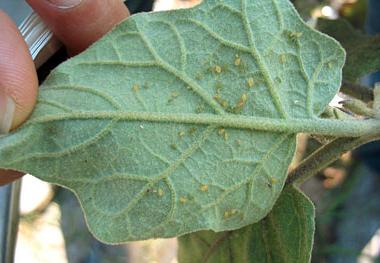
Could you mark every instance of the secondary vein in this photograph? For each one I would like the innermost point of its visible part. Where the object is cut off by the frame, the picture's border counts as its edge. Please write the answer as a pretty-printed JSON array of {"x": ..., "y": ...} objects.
[{"x": 261, "y": 63}]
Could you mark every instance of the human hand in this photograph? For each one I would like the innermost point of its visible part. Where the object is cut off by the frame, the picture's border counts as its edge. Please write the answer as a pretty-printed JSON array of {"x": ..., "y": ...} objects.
[{"x": 77, "y": 23}]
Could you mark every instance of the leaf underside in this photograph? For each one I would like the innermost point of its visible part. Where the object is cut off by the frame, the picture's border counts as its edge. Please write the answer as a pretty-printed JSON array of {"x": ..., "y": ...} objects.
[
  {"x": 284, "y": 235},
  {"x": 106, "y": 123}
]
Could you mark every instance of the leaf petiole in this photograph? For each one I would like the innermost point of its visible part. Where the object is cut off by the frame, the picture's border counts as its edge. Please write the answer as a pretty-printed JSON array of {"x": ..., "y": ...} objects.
[{"x": 324, "y": 156}]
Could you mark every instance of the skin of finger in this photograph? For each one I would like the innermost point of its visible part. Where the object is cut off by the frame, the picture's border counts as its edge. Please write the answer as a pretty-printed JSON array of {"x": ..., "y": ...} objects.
[
  {"x": 8, "y": 176},
  {"x": 80, "y": 26},
  {"x": 18, "y": 77}
]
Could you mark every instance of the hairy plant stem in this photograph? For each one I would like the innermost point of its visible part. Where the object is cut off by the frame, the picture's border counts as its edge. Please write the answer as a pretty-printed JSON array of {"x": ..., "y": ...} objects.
[
  {"x": 358, "y": 107},
  {"x": 357, "y": 91},
  {"x": 324, "y": 156}
]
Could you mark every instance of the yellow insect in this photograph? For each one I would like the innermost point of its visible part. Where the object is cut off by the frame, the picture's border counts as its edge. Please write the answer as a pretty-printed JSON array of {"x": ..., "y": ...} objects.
[
  {"x": 136, "y": 88},
  {"x": 237, "y": 61},
  {"x": 218, "y": 69},
  {"x": 250, "y": 82},
  {"x": 204, "y": 187}
]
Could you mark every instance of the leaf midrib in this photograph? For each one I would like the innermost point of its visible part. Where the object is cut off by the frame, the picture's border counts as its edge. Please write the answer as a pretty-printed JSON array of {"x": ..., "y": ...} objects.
[{"x": 343, "y": 128}]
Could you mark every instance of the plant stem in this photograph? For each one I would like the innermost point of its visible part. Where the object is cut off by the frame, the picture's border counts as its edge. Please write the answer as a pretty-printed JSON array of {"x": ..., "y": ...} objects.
[
  {"x": 324, "y": 156},
  {"x": 358, "y": 107},
  {"x": 376, "y": 99},
  {"x": 214, "y": 246},
  {"x": 357, "y": 91}
]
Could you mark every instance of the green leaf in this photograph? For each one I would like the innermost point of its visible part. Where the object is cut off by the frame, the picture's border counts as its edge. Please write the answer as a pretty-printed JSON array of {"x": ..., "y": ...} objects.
[
  {"x": 285, "y": 235},
  {"x": 148, "y": 126},
  {"x": 363, "y": 51}
]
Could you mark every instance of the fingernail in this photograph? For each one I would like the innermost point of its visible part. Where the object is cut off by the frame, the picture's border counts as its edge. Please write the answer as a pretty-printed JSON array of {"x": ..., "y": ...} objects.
[
  {"x": 65, "y": 4},
  {"x": 7, "y": 110}
]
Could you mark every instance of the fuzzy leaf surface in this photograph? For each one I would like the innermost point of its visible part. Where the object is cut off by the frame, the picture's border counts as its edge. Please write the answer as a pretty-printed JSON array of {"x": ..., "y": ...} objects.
[
  {"x": 125, "y": 125},
  {"x": 284, "y": 235}
]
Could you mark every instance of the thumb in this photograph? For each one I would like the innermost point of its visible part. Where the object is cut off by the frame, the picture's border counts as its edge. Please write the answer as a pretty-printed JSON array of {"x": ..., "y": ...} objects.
[
  {"x": 18, "y": 83},
  {"x": 18, "y": 79}
]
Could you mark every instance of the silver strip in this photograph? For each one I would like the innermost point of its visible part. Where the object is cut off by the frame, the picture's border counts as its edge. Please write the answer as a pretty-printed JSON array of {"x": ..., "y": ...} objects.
[
  {"x": 40, "y": 40},
  {"x": 9, "y": 216}
]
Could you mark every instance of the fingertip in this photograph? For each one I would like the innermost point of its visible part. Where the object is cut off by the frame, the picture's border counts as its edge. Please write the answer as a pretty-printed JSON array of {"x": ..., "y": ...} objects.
[
  {"x": 8, "y": 176},
  {"x": 18, "y": 78},
  {"x": 78, "y": 25}
]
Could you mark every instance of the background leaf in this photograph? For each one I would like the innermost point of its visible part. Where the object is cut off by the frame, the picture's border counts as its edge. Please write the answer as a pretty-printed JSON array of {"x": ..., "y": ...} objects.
[
  {"x": 123, "y": 124},
  {"x": 363, "y": 51},
  {"x": 284, "y": 235}
]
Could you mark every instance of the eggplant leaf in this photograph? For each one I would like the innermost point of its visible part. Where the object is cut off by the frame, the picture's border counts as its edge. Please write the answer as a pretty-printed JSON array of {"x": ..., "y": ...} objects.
[
  {"x": 148, "y": 126},
  {"x": 285, "y": 235}
]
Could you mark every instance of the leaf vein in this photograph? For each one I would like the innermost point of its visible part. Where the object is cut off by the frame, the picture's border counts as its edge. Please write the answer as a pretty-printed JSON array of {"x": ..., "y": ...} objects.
[
  {"x": 261, "y": 64},
  {"x": 193, "y": 85}
]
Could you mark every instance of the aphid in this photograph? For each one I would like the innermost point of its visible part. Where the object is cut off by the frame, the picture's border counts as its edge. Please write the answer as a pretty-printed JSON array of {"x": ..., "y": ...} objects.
[
  {"x": 173, "y": 146},
  {"x": 282, "y": 58},
  {"x": 250, "y": 82},
  {"x": 243, "y": 99},
  {"x": 330, "y": 64},
  {"x": 136, "y": 88},
  {"x": 294, "y": 35},
  {"x": 200, "y": 108},
  {"x": 222, "y": 102},
  {"x": 181, "y": 134},
  {"x": 204, "y": 187},
  {"x": 227, "y": 214},
  {"x": 273, "y": 180},
  {"x": 230, "y": 213},
  {"x": 160, "y": 192},
  {"x": 241, "y": 103},
  {"x": 192, "y": 130},
  {"x": 183, "y": 200},
  {"x": 237, "y": 60},
  {"x": 218, "y": 69},
  {"x": 173, "y": 96},
  {"x": 217, "y": 97},
  {"x": 218, "y": 86},
  {"x": 238, "y": 142},
  {"x": 222, "y": 132}
]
